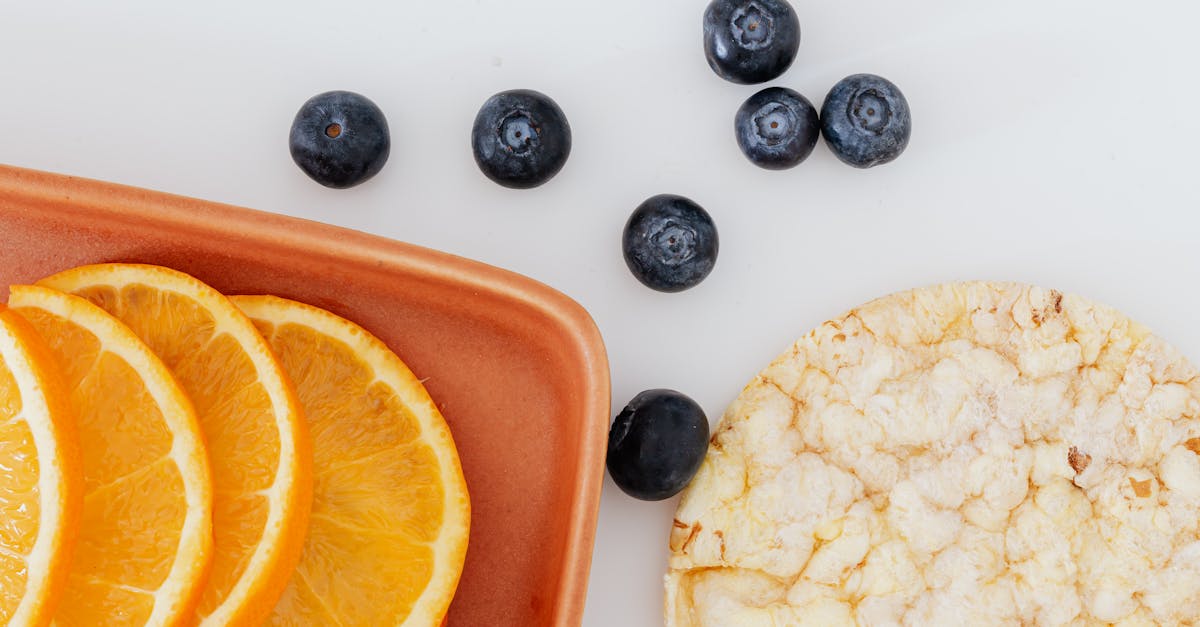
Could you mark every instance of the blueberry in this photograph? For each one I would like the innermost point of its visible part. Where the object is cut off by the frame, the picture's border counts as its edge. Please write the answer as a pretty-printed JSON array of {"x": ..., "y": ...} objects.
[
  {"x": 750, "y": 41},
  {"x": 865, "y": 120},
  {"x": 777, "y": 128},
  {"x": 340, "y": 139},
  {"x": 670, "y": 243},
  {"x": 521, "y": 138},
  {"x": 656, "y": 444}
]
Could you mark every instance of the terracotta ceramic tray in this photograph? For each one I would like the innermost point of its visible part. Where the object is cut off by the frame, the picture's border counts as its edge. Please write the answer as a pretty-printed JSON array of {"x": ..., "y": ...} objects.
[{"x": 518, "y": 369}]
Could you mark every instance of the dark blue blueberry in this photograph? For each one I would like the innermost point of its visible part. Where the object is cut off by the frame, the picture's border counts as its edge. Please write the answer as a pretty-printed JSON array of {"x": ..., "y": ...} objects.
[
  {"x": 750, "y": 41},
  {"x": 656, "y": 444},
  {"x": 777, "y": 128},
  {"x": 521, "y": 138},
  {"x": 670, "y": 243},
  {"x": 340, "y": 139},
  {"x": 865, "y": 120}
]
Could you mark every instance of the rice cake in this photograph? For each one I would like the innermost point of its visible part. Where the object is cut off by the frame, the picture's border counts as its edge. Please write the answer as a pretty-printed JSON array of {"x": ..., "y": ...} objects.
[{"x": 966, "y": 454}]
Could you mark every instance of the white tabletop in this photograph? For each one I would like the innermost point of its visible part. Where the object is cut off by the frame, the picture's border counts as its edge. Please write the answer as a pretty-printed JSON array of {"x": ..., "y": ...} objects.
[{"x": 1054, "y": 142}]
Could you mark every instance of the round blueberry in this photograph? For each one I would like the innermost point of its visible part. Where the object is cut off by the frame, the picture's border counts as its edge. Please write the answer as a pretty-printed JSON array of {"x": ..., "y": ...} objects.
[
  {"x": 340, "y": 139},
  {"x": 750, "y": 41},
  {"x": 521, "y": 138},
  {"x": 670, "y": 243},
  {"x": 865, "y": 120},
  {"x": 656, "y": 444},
  {"x": 777, "y": 128}
]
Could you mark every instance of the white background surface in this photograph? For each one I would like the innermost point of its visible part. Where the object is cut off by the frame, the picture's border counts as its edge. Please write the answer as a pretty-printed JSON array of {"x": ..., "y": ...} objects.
[{"x": 1054, "y": 142}]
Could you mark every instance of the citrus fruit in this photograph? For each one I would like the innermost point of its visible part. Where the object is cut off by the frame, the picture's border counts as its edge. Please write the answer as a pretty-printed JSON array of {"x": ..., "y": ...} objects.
[
  {"x": 145, "y": 544},
  {"x": 390, "y": 518},
  {"x": 258, "y": 444},
  {"x": 41, "y": 479}
]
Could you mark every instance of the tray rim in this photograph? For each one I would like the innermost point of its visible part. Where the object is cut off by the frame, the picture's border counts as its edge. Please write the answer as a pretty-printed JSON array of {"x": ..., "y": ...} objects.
[{"x": 121, "y": 203}]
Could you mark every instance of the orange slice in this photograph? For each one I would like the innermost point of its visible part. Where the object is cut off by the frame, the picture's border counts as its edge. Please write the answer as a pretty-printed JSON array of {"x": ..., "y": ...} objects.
[
  {"x": 146, "y": 541},
  {"x": 390, "y": 517},
  {"x": 41, "y": 480},
  {"x": 258, "y": 444}
]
